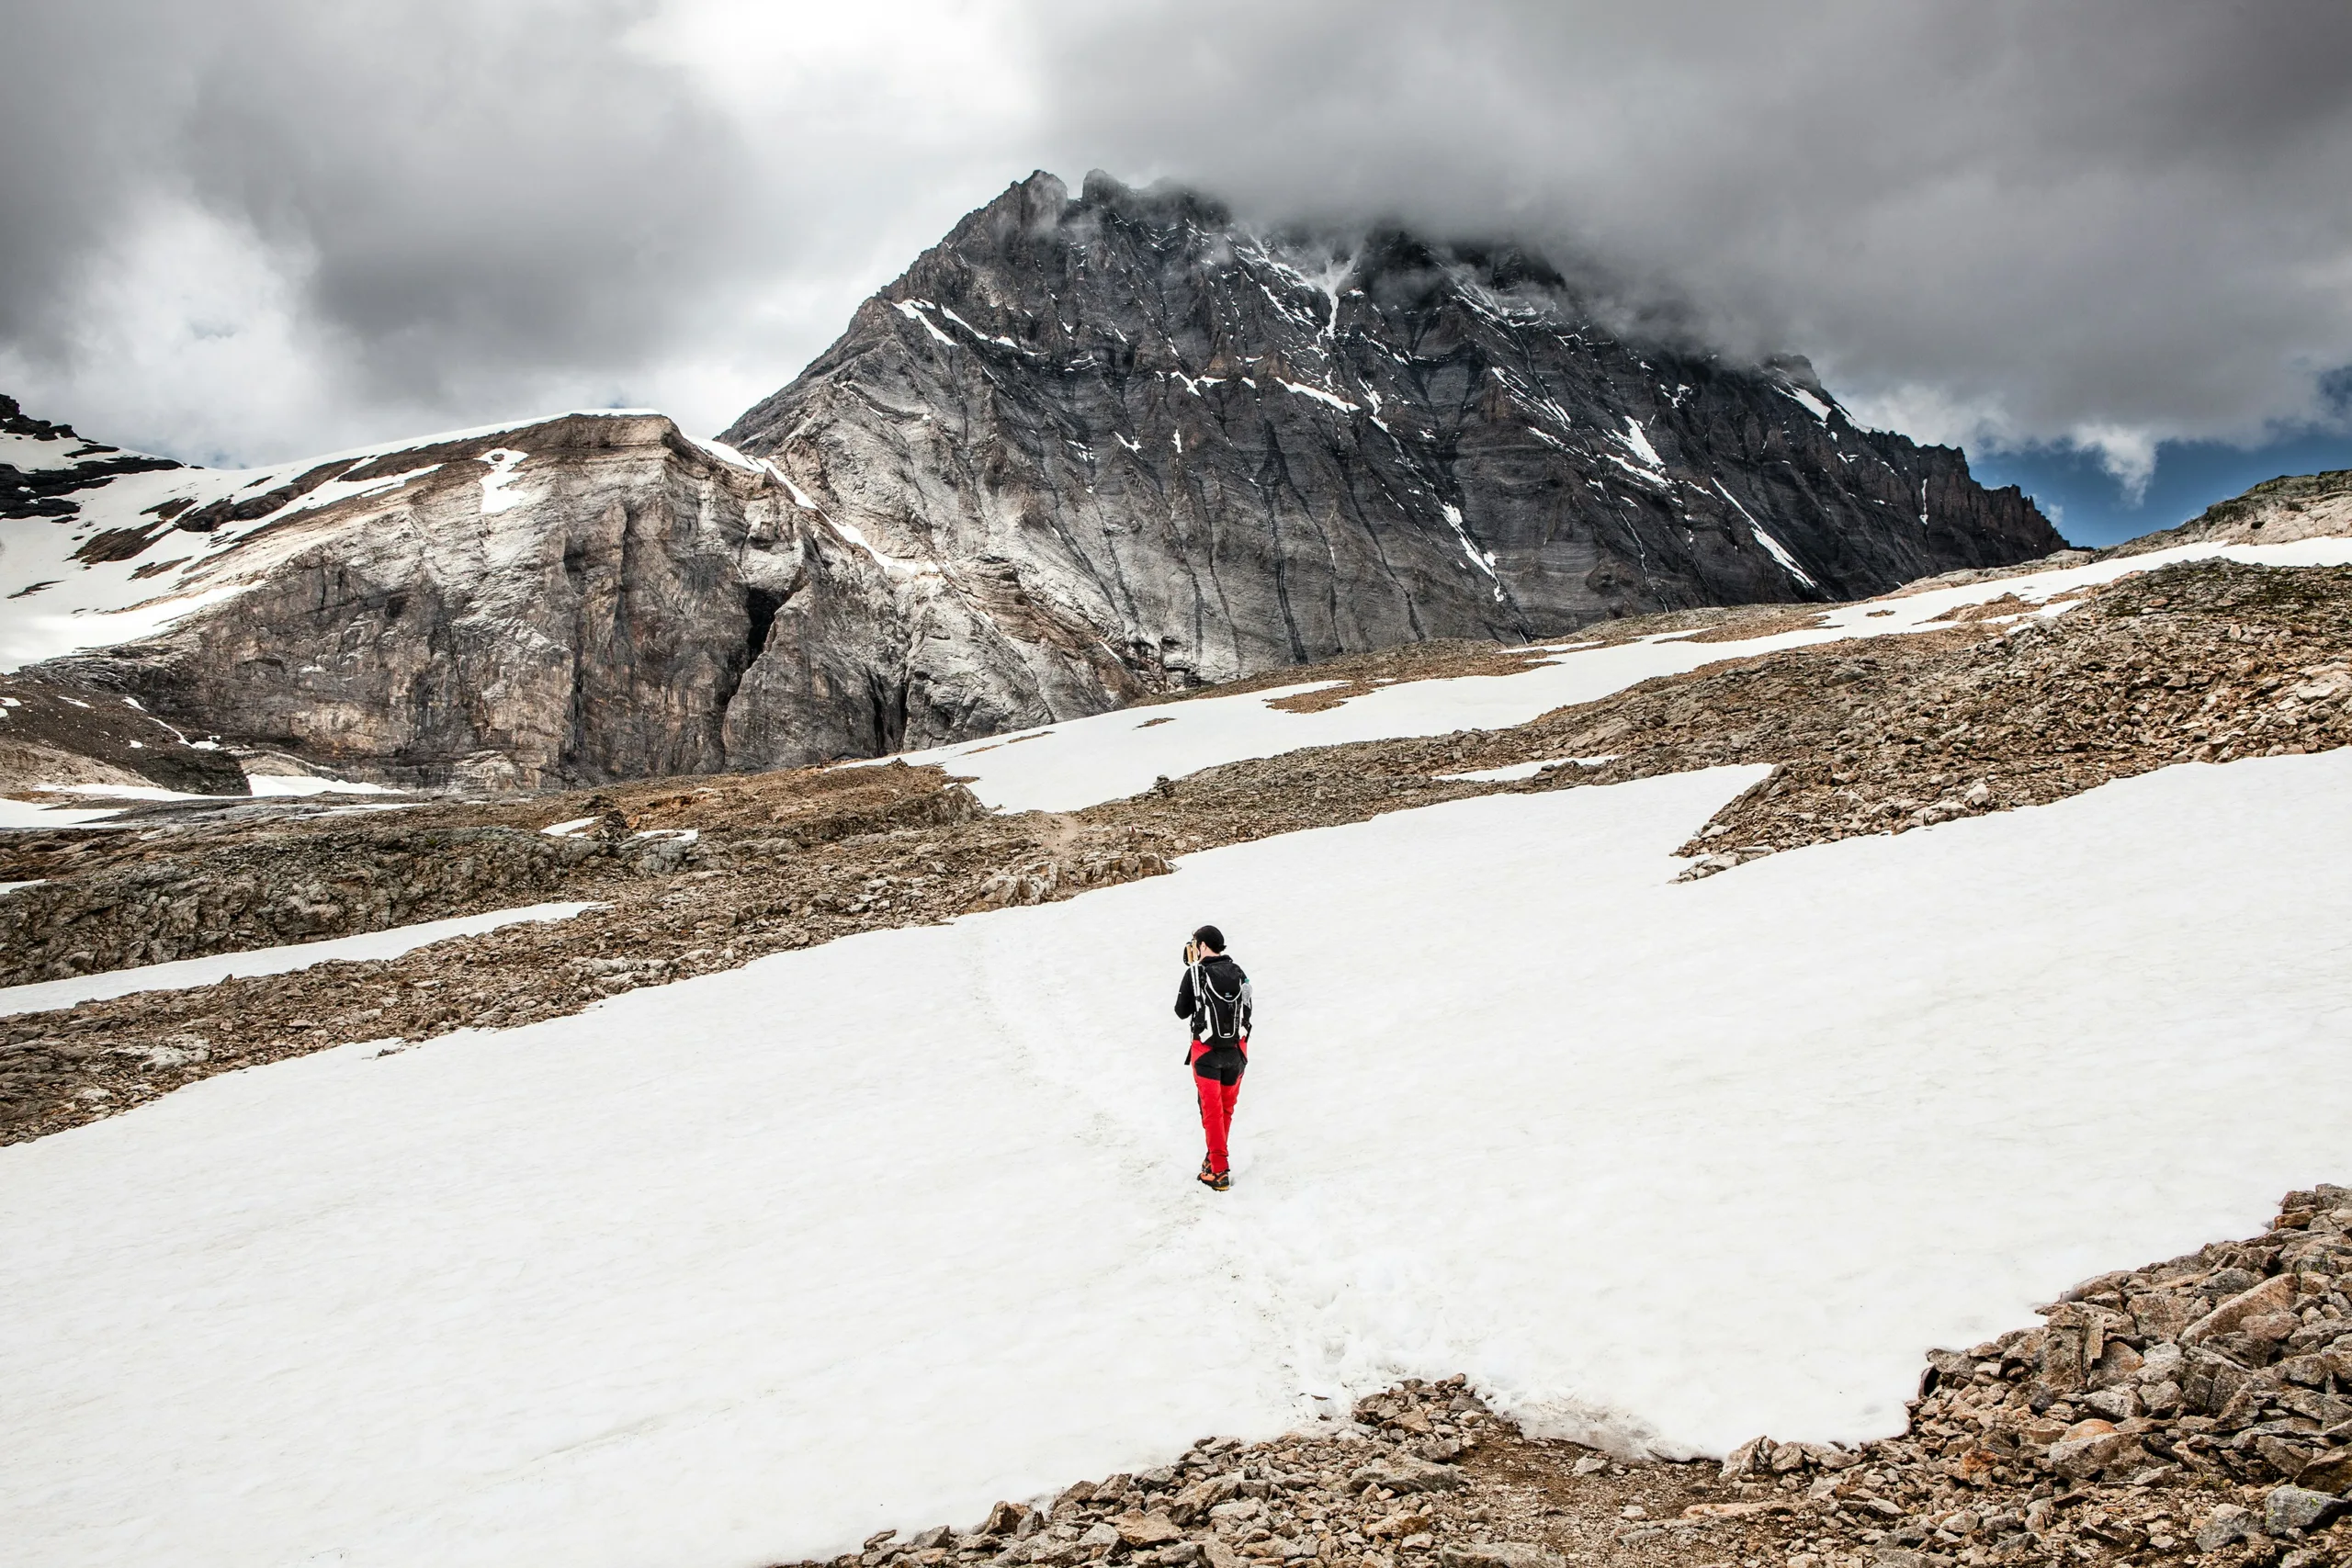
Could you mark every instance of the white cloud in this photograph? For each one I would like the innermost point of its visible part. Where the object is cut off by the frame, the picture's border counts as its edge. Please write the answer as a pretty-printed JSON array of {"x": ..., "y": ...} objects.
[
  {"x": 187, "y": 332},
  {"x": 2129, "y": 456}
]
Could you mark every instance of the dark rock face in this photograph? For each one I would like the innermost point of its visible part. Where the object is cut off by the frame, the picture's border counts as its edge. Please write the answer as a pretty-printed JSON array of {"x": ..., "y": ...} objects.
[
  {"x": 1082, "y": 451},
  {"x": 1122, "y": 425},
  {"x": 44, "y": 488}
]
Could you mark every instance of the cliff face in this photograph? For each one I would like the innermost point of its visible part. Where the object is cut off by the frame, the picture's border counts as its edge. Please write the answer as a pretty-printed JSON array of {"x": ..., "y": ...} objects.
[
  {"x": 579, "y": 598},
  {"x": 1121, "y": 418},
  {"x": 1083, "y": 450}
]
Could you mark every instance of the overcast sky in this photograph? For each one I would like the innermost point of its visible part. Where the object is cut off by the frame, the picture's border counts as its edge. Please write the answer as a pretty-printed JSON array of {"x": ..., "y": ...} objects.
[{"x": 2064, "y": 235}]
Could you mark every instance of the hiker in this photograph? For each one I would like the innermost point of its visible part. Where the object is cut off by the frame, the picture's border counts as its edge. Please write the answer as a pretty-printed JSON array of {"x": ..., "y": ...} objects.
[{"x": 1214, "y": 997}]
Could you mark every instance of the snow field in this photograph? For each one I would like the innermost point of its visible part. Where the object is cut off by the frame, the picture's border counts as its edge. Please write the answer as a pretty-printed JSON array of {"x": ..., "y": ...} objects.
[
  {"x": 1083, "y": 763},
  {"x": 182, "y": 973},
  {"x": 34, "y": 814},
  {"x": 20, "y": 813},
  {"x": 267, "y": 787},
  {"x": 747, "y": 1266}
]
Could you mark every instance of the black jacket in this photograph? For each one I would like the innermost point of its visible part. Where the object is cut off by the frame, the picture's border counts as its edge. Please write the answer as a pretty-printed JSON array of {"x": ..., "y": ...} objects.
[{"x": 1228, "y": 977}]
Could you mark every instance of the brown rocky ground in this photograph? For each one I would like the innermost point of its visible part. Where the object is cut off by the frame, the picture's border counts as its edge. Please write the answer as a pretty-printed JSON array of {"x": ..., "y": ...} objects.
[
  {"x": 2204, "y": 661},
  {"x": 2196, "y": 1408}
]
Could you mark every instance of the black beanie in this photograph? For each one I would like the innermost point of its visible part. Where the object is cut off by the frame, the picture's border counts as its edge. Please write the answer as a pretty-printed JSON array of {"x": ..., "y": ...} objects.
[{"x": 1210, "y": 938}]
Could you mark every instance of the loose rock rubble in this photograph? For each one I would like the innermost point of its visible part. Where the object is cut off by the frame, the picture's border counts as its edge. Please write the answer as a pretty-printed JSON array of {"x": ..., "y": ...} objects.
[
  {"x": 2196, "y": 1408},
  {"x": 56, "y": 732},
  {"x": 1424, "y": 1474},
  {"x": 292, "y": 887}
]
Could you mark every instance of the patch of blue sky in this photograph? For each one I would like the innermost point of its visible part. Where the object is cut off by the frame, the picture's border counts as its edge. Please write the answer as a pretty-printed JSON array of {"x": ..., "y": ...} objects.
[{"x": 2090, "y": 506}]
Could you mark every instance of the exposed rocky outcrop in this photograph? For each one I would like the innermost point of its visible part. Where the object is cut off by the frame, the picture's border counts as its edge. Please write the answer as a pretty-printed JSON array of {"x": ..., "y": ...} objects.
[
  {"x": 276, "y": 889},
  {"x": 579, "y": 598},
  {"x": 1084, "y": 451},
  {"x": 42, "y": 464},
  {"x": 57, "y": 732},
  {"x": 2276, "y": 512}
]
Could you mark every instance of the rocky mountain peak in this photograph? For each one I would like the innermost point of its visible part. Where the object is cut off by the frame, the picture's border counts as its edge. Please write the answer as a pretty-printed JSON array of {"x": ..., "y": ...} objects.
[
  {"x": 1211, "y": 450},
  {"x": 1083, "y": 450}
]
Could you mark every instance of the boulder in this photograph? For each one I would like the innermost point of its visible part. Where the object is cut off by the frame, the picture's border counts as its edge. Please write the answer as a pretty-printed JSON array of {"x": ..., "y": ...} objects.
[
  {"x": 1142, "y": 1532},
  {"x": 2227, "y": 1523},
  {"x": 2330, "y": 1471},
  {"x": 2298, "y": 1508},
  {"x": 2271, "y": 1296}
]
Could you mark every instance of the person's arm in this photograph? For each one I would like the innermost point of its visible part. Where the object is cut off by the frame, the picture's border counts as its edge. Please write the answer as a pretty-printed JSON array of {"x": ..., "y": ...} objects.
[
  {"x": 1249, "y": 1006},
  {"x": 1184, "y": 995}
]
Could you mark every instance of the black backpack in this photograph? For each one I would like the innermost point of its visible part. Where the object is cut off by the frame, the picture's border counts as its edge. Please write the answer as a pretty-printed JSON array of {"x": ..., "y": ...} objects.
[{"x": 1216, "y": 1015}]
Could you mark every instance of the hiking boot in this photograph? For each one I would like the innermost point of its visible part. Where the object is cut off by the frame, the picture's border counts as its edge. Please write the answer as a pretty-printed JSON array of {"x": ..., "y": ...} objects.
[{"x": 1220, "y": 1182}]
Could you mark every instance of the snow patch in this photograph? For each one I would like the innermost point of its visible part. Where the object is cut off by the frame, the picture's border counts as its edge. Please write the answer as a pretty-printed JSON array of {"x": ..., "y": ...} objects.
[
  {"x": 1483, "y": 559},
  {"x": 283, "y": 786},
  {"x": 984, "y": 337},
  {"x": 1772, "y": 547},
  {"x": 1320, "y": 396},
  {"x": 1083, "y": 763},
  {"x": 891, "y": 564},
  {"x": 912, "y": 309},
  {"x": 800, "y": 498},
  {"x": 502, "y": 461},
  {"x": 36, "y": 813},
  {"x": 1813, "y": 405},
  {"x": 729, "y": 454},
  {"x": 1652, "y": 477},
  {"x": 1639, "y": 442}
]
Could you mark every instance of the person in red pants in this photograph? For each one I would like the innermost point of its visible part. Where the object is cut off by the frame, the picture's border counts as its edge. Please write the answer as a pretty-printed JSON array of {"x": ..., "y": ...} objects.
[{"x": 1214, "y": 997}]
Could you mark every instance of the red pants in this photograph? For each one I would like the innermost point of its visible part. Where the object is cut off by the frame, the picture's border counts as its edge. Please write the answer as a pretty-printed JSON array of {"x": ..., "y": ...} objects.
[{"x": 1218, "y": 1100}]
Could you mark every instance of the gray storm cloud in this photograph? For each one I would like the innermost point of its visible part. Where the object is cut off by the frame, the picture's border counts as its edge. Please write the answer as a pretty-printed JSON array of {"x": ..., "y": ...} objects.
[{"x": 255, "y": 226}]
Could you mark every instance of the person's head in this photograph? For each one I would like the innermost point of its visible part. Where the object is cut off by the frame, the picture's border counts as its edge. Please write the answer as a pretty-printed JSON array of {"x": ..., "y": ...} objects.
[{"x": 1208, "y": 939}]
